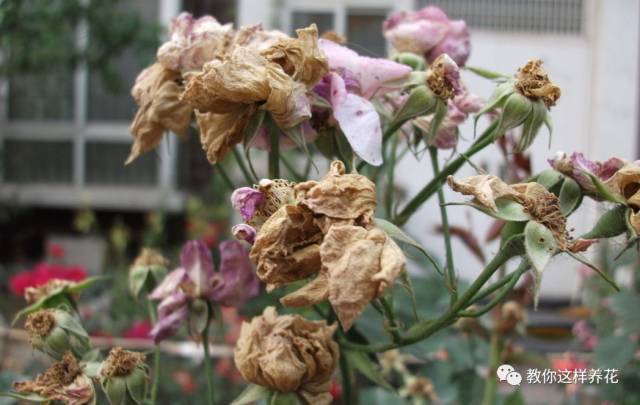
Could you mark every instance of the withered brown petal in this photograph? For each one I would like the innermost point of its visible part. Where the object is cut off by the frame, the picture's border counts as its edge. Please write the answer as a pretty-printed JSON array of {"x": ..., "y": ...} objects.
[
  {"x": 314, "y": 292},
  {"x": 485, "y": 189},
  {"x": 220, "y": 132}
]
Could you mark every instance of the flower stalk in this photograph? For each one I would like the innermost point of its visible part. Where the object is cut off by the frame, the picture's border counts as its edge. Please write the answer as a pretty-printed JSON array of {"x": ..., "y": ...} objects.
[{"x": 208, "y": 367}]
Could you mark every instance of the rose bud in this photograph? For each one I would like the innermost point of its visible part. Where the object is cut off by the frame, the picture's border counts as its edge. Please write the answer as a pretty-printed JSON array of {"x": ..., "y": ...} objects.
[
  {"x": 124, "y": 377},
  {"x": 146, "y": 272},
  {"x": 54, "y": 332}
]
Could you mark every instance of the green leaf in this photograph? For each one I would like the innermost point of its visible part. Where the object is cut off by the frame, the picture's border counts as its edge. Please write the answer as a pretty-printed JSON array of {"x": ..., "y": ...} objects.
[
  {"x": 592, "y": 266},
  {"x": 603, "y": 192},
  {"x": 549, "y": 178},
  {"x": 540, "y": 246},
  {"x": 398, "y": 234},
  {"x": 24, "y": 397},
  {"x": 614, "y": 352},
  {"x": 251, "y": 130},
  {"x": 570, "y": 196},
  {"x": 625, "y": 305},
  {"x": 251, "y": 394},
  {"x": 361, "y": 362},
  {"x": 611, "y": 224},
  {"x": 487, "y": 74}
]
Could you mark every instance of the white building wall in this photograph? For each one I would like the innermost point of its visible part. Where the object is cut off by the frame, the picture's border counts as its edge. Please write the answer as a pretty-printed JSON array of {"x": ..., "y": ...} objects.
[{"x": 597, "y": 113}]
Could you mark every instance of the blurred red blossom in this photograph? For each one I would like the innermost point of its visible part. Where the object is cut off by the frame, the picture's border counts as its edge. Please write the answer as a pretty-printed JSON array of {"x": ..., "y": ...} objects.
[
  {"x": 138, "y": 330},
  {"x": 42, "y": 273},
  {"x": 56, "y": 251},
  {"x": 186, "y": 382}
]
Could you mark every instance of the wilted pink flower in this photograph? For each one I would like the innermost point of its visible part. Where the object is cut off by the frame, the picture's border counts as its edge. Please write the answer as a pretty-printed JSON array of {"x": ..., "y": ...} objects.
[
  {"x": 239, "y": 282},
  {"x": 197, "y": 279},
  {"x": 429, "y": 32},
  {"x": 578, "y": 167},
  {"x": 247, "y": 201},
  {"x": 244, "y": 232},
  {"x": 193, "y": 42},
  {"x": 351, "y": 82}
]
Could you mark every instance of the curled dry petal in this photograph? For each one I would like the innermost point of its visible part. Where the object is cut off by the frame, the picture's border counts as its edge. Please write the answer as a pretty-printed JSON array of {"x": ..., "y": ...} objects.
[
  {"x": 157, "y": 94},
  {"x": 220, "y": 132},
  {"x": 287, "y": 247},
  {"x": 339, "y": 195},
  {"x": 300, "y": 57},
  {"x": 239, "y": 283},
  {"x": 485, "y": 189},
  {"x": 626, "y": 182},
  {"x": 244, "y": 232},
  {"x": 169, "y": 324},
  {"x": 247, "y": 201},
  {"x": 443, "y": 77},
  {"x": 361, "y": 264},
  {"x": 169, "y": 284},
  {"x": 289, "y": 354},
  {"x": 533, "y": 82}
]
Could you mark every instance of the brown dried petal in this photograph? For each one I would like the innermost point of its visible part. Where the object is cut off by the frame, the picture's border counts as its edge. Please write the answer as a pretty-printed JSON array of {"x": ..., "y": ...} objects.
[
  {"x": 161, "y": 109},
  {"x": 220, "y": 132},
  {"x": 532, "y": 81},
  {"x": 288, "y": 353},
  {"x": 35, "y": 294},
  {"x": 339, "y": 195},
  {"x": 300, "y": 57},
  {"x": 312, "y": 293},
  {"x": 246, "y": 77},
  {"x": 287, "y": 247},
  {"x": 626, "y": 182},
  {"x": 53, "y": 382},
  {"x": 120, "y": 363},
  {"x": 485, "y": 189},
  {"x": 360, "y": 264}
]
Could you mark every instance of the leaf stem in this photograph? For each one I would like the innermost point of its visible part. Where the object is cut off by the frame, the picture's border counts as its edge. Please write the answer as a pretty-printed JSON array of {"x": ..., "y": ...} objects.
[
  {"x": 451, "y": 272},
  {"x": 274, "y": 150},
  {"x": 208, "y": 369}
]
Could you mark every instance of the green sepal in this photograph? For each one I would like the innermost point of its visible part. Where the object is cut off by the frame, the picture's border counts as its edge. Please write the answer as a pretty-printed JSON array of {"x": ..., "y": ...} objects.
[
  {"x": 570, "y": 196},
  {"x": 438, "y": 116},
  {"x": 603, "y": 192},
  {"x": 487, "y": 74},
  {"x": 540, "y": 247},
  {"x": 549, "y": 178},
  {"x": 253, "y": 393},
  {"x": 517, "y": 108},
  {"x": 421, "y": 101},
  {"x": 251, "y": 130},
  {"x": 496, "y": 100},
  {"x": 531, "y": 124}
]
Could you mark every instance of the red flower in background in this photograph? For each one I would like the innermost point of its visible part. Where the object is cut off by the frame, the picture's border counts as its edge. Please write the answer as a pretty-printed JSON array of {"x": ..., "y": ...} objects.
[
  {"x": 139, "y": 330},
  {"x": 42, "y": 273},
  {"x": 56, "y": 251}
]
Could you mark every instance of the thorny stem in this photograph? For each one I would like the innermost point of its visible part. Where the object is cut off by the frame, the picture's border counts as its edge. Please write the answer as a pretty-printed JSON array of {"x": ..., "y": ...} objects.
[
  {"x": 208, "y": 369},
  {"x": 451, "y": 272},
  {"x": 435, "y": 184},
  {"x": 155, "y": 384},
  {"x": 424, "y": 329}
]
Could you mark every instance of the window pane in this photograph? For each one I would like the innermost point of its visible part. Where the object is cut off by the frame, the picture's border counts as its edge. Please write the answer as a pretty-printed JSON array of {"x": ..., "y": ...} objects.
[
  {"x": 194, "y": 170},
  {"x": 301, "y": 19},
  {"x": 115, "y": 103},
  {"x": 38, "y": 161},
  {"x": 105, "y": 165},
  {"x": 364, "y": 32},
  {"x": 48, "y": 96}
]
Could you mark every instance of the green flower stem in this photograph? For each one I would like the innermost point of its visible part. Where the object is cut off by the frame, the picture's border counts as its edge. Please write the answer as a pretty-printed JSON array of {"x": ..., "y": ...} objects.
[
  {"x": 248, "y": 177},
  {"x": 424, "y": 329},
  {"x": 224, "y": 176},
  {"x": 155, "y": 382},
  {"x": 452, "y": 282},
  {"x": 436, "y": 183},
  {"x": 491, "y": 385},
  {"x": 495, "y": 286},
  {"x": 208, "y": 367},
  {"x": 511, "y": 281},
  {"x": 274, "y": 151},
  {"x": 391, "y": 161},
  {"x": 393, "y": 327}
]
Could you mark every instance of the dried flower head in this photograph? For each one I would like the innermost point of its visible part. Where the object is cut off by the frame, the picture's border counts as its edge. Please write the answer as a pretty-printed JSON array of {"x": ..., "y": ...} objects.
[
  {"x": 532, "y": 81},
  {"x": 626, "y": 183},
  {"x": 40, "y": 323},
  {"x": 63, "y": 381},
  {"x": 120, "y": 362},
  {"x": 157, "y": 92},
  {"x": 54, "y": 332},
  {"x": 443, "y": 78},
  {"x": 288, "y": 353},
  {"x": 35, "y": 294},
  {"x": 150, "y": 257}
]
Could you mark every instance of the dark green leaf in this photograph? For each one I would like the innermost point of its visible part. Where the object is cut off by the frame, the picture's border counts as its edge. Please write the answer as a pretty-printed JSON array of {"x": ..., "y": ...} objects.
[
  {"x": 361, "y": 362},
  {"x": 487, "y": 74},
  {"x": 614, "y": 352},
  {"x": 626, "y": 306}
]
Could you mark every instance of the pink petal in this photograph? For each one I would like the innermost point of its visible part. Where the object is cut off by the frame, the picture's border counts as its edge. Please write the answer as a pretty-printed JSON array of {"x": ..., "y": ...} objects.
[
  {"x": 358, "y": 120},
  {"x": 456, "y": 43},
  {"x": 169, "y": 285},
  {"x": 198, "y": 263},
  {"x": 239, "y": 281},
  {"x": 168, "y": 325}
]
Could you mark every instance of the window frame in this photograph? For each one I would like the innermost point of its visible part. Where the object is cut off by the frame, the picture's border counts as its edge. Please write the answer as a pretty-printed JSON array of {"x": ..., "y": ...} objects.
[{"x": 79, "y": 130}]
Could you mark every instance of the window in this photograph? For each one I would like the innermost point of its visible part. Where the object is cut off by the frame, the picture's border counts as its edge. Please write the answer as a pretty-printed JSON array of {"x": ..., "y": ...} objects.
[
  {"x": 362, "y": 26},
  {"x": 548, "y": 16},
  {"x": 68, "y": 134}
]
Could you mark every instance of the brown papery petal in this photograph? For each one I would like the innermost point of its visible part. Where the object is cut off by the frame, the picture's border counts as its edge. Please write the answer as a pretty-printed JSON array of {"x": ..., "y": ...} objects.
[
  {"x": 339, "y": 195},
  {"x": 360, "y": 264},
  {"x": 485, "y": 189},
  {"x": 314, "y": 292},
  {"x": 626, "y": 182},
  {"x": 287, "y": 247},
  {"x": 300, "y": 57},
  {"x": 220, "y": 132}
]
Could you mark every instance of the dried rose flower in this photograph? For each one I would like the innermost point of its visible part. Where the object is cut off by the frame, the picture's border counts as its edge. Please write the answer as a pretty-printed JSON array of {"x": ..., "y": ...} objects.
[
  {"x": 533, "y": 82},
  {"x": 193, "y": 42},
  {"x": 51, "y": 287},
  {"x": 256, "y": 204},
  {"x": 288, "y": 353},
  {"x": 430, "y": 33},
  {"x": 124, "y": 377},
  {"x": 146, "y": 272},
  {"x": 443, "y": 78},
  {"x": 275, "y": 79},
  {"x": 578, "y": 167},
  {"x": 626, "y": 183},
  {"x": 244, "y": 232},
  {"x": 55, "y": 332},
  {"x": 157, "y": 92},
  {"x": 64, "y": 381},
  {"x": 247, "y": 201}
]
